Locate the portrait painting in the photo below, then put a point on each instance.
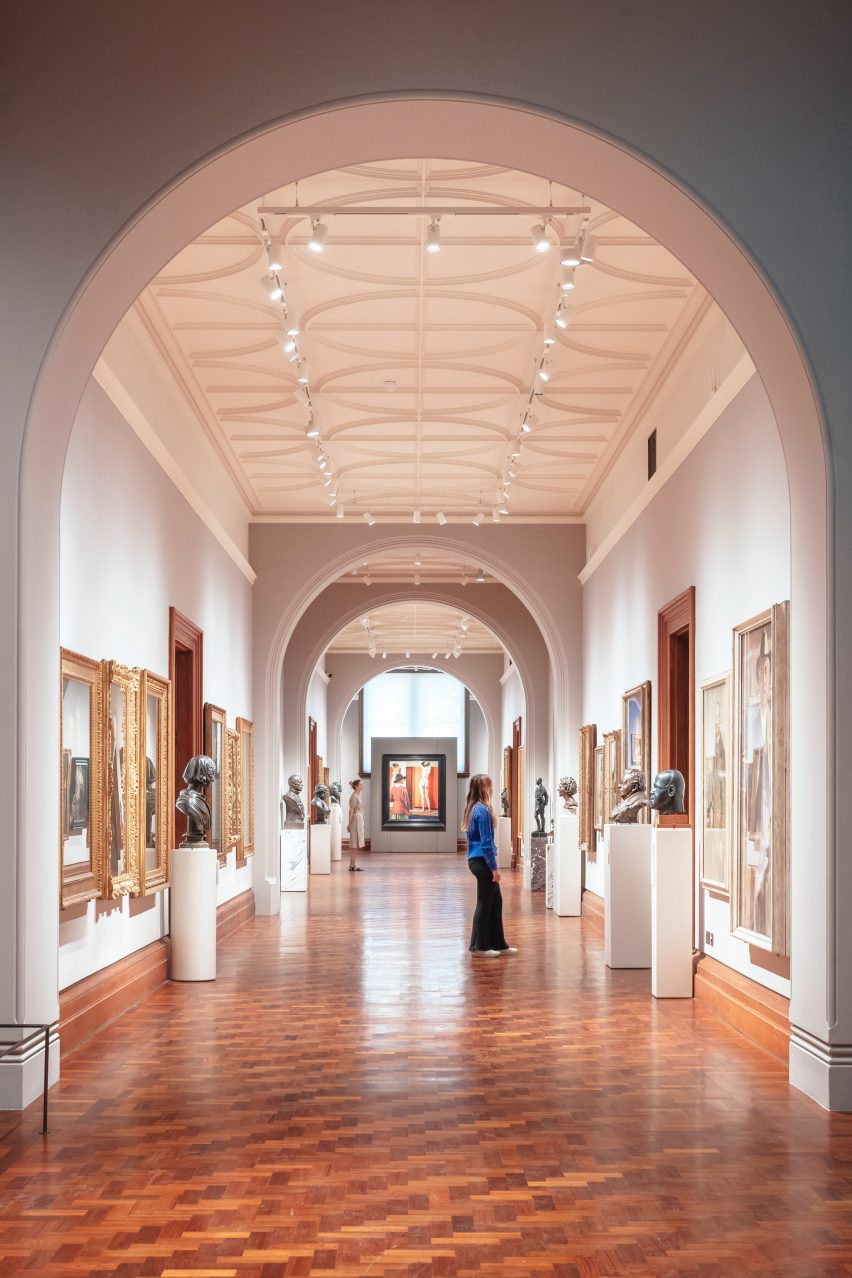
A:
(413, 792)
(715, 783)
(636, 733)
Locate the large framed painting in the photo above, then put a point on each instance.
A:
(155, 770)
(759, 880)
(122, 791)
(715, 869)
(80, 858)
(215, 728)
(611, 771)
(506, 779)
(586, 815)
(636, 734)
(414, 792)
(599, 789)
(245, 847)
(232, 826)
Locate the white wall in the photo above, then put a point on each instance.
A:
(513, 704)
(722, 524)
(317, 705)
(130, 548)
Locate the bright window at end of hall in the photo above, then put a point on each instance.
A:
(402, 703)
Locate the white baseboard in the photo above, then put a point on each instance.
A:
(22, 1071)
(821, 1070)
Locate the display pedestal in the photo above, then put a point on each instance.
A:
(526, 868)
(569, 867)
(549, 873)
(192, 913)
(538, 862)
(671, 912)
(504, 843)
(336, 832)
(294, 859)
(321, 849)
(627, 920)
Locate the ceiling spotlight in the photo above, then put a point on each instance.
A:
(441, 518)
(313, 431)
(539, 237)
(274, 291)
(408, 654)
(495, 516)
(339, 512)
(367, 579)
(560, 319)
(274, 256)
(433, 237)
(543, 374)
(434, 656)
(570, 254)
(478, 518)
(446, 656)
(289, 345)
(589, 248)
(525, 425)
(368, 518)
(480, 576)
(293, 330)
(504, 510)
(568, 281)
(417, 579)
(323, 462)
(319, 234)
(510, 472)
(384, 656)
(416, 517)
(327, 480)
(303, 379)
(390, 385)
(549, 339)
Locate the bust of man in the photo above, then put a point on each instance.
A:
(568, 793)
(667, 792)
(320, 806)
(294, 808)
(335, 790)
(633, 798)
(192, 801)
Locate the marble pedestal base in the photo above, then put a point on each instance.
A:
(294, 859)
(538, 862)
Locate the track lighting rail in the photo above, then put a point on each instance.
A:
(419, 210)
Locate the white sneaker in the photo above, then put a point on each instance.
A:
(484, 953)
(510, 949)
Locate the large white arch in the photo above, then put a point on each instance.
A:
(521, 137)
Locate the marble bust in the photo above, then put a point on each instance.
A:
(668, 792)
(633, 798)
(294, 808)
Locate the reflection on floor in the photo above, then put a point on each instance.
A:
(356, 1096)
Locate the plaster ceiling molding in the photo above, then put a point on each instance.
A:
(412, 629)
(421, 365)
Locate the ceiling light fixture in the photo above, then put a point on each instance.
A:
(417, 579)
(478, 518)
(293, 330)
(560, 319)
(319, 235)
(543, 373)
(339, 512)
(504, 510)
(368, 518)
(480, 576)
(495, 516)
(539, 237)
(433, 236)
(274, 256)
(313, 431)
(289, 345)
(416, 517)
(549, 339)
(274, 291)
(323, 462)
(525, 425)
(441, 518)
(303, 379)
(570, 254)
(589, 248)
(568, 280)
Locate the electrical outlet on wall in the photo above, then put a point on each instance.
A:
(708, 938)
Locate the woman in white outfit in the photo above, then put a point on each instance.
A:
(356, 822)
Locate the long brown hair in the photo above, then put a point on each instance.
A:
(480, 790)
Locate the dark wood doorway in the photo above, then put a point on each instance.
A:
(676, 709)
(186, 671)
(516, 800)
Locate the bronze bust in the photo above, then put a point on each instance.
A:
(192, 801)
(668, 792)
(320, 806)
(633, 798)
(294, 808)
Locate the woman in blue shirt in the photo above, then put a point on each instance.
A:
(478, 824)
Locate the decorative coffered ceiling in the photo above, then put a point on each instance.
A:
(420, 366)
(412, 629)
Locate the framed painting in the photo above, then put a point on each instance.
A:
(122, 790)
(414, 792)
(80, 753)
(611, 771)
(586, 815)
(215, 727)
(155, 766)
(715, 831)
(506, 782)
(636, 734)
(232, 823)
(245, 732)
(599, 789)
(760, 870)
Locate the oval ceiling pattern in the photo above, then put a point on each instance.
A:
(412, 372)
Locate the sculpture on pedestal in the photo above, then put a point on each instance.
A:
(542, 798)
(504, 802)
(668, 792)
(568, 793)
(294, 808)
(633, 798)
(335, 790)
(320, 806)
(192, 801)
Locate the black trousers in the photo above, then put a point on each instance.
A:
(487, 933)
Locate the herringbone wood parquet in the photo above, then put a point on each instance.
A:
(357, 1097)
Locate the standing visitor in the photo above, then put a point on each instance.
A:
(486, 938)
(356, 823)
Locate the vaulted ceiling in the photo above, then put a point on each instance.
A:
(418, 368)
(413, 629)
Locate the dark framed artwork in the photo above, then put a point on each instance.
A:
(414, 792)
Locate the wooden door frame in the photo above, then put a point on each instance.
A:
(185, 636)
(515, 800)
(675, 619)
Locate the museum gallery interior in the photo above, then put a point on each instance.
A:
(393, 396)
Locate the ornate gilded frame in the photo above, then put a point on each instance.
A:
(611, 763)
(598, 788)
(215, 715)
(588, 741)
(776, 938)
(245, 731)
(81, 884)
(642, 694)
(232, 789)
(720, 886)
(122, 802)
(159, 752)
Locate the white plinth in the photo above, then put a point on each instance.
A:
(627, 920)
(294, 860)
(549, 872)
(336, 832)
(671, 913)
(568, 892)
(321, 849)
(504, 843)
(192, 913)
(526, 869)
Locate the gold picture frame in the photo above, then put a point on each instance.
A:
(715, 783)
(611, 776)
(245, 847)
(599, 790)
(586, 815)
(760, 781)
(232, 790)
(80, 779)
(122, 798)
(636, 735)
(215, 729)
(155, 776)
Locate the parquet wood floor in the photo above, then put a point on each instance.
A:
(356, 1097)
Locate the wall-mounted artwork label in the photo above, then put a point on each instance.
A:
(414, 792)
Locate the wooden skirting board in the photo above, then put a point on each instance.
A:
(90, 1005)
(593, 907)
(758, 1013)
